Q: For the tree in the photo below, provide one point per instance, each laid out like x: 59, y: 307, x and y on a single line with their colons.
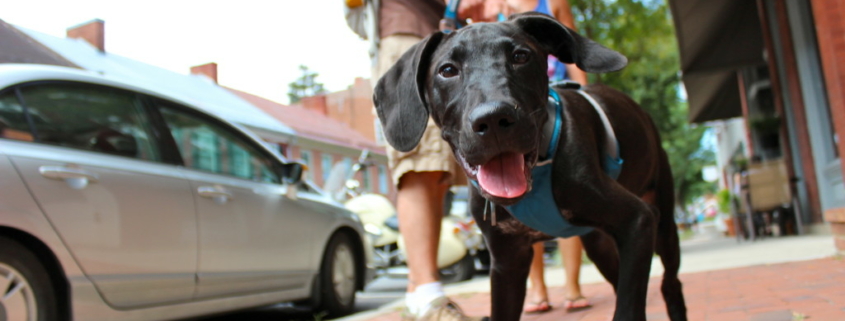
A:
x: 304, y: 86
x: 642, y: 30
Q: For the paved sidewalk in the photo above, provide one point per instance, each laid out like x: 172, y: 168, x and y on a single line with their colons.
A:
x: 790, y: 278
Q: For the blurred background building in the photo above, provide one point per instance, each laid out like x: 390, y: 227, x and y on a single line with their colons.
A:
x: 768, y: 75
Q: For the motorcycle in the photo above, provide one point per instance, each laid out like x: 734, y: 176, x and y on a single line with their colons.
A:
x: 460, y: 238
x: 457, y: 205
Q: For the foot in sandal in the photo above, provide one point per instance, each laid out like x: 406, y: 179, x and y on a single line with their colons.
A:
x: 577, y: 304
x: 538, y: 307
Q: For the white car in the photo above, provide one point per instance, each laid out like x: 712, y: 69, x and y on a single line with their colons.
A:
x: 118, y: 203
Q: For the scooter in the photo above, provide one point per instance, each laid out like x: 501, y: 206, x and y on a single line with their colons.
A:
x: 460, y: 238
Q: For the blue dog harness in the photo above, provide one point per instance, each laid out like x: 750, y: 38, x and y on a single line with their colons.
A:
x: 537, y: 209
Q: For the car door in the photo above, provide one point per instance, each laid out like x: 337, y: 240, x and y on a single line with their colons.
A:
x: 252, y: 237
x: 96, y: 170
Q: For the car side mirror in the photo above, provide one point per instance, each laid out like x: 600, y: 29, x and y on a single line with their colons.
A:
x: 292, y: 173
x: 291, y: 177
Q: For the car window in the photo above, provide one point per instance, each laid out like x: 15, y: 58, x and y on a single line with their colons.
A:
x: 88, y: 117
x: 209, y: 147
x: 326, y: 165
x: 13, y: 124
x: 305, y: 157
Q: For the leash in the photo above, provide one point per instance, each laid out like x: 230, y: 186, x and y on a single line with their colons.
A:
x: 450, y: 21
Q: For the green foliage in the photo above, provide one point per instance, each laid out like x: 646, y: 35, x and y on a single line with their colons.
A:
x: 723, y: 197
x: 642, y: 30
x: 304, y: 86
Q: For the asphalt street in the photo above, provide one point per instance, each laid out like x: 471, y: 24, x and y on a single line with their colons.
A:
x: 378, y: 293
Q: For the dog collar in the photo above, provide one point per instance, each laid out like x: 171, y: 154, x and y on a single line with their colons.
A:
x: 556, y: 128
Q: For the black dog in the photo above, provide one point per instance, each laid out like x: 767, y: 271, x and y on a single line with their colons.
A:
x: 486, y: 87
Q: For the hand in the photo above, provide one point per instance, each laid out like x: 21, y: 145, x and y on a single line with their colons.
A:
x: 505, y: 7
x: 472, y: 9
x: 484, y: 10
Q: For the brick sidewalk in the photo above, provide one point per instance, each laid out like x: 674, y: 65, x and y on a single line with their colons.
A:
x: 805, y: 290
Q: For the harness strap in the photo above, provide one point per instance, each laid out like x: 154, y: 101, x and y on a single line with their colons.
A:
x: 550, y: 152
x: 611, y: 144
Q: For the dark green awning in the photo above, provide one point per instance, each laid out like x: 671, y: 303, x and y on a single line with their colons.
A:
x: 716, y: 38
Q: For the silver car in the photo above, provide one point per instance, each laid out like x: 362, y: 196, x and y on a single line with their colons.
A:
x: 118, y: 203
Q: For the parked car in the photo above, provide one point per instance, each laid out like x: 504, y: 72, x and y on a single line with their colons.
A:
x: 119, y: 203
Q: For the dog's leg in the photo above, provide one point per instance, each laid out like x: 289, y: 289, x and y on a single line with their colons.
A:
x: 510, y: 255
x: 511, y: 260
x: 588, y: 197
x: 635, y: 243
x: 631, y: 223
x: 668, y: 246
x: 601, y: 249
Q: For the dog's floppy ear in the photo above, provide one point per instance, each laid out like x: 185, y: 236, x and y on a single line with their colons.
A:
x: 399, y: 96
x: 567, y: 45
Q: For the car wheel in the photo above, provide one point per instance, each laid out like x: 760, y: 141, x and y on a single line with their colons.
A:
x: 460, y: 271
x: 484, y: 260
x: 25, y: 288
x: 338, y: 276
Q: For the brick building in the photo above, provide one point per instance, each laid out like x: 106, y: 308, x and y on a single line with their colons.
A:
x: 323, y: 139
x: 354, y: 106
x: 780, y: 66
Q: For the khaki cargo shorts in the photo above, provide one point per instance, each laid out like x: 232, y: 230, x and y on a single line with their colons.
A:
x: 433, y: 153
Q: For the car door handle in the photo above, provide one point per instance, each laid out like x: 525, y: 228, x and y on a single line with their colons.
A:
x: 76, y: 177
x: 213, y: 192
x: 64, y: 172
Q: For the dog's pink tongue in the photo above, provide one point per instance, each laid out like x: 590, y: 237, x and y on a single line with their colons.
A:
x: 504, y: 176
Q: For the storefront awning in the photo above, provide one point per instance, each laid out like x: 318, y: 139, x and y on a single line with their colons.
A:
x: 716, y: 38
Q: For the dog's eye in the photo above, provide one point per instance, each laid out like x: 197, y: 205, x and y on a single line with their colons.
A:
x: 520, y: 56
x: 448, y: 71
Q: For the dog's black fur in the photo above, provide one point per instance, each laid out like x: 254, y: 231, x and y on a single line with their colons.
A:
x: 486, y: 88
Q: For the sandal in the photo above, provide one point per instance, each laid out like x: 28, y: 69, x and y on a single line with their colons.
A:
x: 539, y: 307
x: 577, y: 304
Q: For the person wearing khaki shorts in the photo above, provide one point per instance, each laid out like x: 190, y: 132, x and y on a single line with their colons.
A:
x: 433, y: 153
x: 423, y: 175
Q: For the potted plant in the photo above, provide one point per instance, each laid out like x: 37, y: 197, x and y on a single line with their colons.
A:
x: 724, y: 199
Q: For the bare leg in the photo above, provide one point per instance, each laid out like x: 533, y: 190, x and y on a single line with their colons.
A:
x: 420, y: 205
x: 570, y: 251
x: 537, y: 293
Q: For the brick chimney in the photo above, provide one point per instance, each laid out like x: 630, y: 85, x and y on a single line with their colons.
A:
x: 209, y: 70
x: 316, y: 103
x: 93, y: 32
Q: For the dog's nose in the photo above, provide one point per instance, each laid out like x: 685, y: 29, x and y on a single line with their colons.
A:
x: 492, y: 117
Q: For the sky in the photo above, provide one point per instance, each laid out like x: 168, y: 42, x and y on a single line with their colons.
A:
x: 257, y: 45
